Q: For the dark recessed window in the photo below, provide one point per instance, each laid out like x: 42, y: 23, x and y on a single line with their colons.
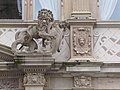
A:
x: 10, y: 9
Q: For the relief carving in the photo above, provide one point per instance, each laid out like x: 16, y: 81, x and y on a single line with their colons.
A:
x: 9, y: 84
x: 34, y: 79
x: 47, y: 31
x: 82, y: 82
x: 81, y: 41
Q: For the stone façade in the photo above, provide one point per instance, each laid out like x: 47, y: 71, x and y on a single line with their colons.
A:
x: 25, y: 71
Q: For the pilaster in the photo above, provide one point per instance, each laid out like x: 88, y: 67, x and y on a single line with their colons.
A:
x: 34, y: 66
x: 80, y: 9
x: 28, y: 8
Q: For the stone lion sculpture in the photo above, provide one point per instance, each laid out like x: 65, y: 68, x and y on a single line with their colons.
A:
x: 49, y: 32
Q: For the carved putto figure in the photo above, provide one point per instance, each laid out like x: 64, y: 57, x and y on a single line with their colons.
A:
x: 47, y: 32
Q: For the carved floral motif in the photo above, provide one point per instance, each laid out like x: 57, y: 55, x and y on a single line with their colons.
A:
x: 81, y: 41
x: 34, y: 79
x: 9, y: 84
x: 82, y: 82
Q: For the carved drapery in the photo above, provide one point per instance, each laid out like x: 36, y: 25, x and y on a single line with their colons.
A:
x: 82, y: 82
x: 81, y: 41
x: 34, y: 79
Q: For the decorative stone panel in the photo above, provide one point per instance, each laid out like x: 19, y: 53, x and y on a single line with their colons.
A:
x: 82, y: 82
x: 81, y: 41
x: 107, y: 44
x: 34, y: 79
x: 9, y: 84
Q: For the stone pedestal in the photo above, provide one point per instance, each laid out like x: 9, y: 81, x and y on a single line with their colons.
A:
x: 34, y: 66
x: 34, y: 62
x: 81, y: 39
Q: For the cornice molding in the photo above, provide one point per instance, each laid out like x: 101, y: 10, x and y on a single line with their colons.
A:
x: 107, y: 24
x: 11, y: 73
x: 6, y: 53
x: 82, y: 21
x: 17, y: 23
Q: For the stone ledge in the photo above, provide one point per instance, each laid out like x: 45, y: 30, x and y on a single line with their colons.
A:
x: 82, y: 21
x: 107, y: 24
x: 34, y: 62
x: 83, y: 66
x: 83, y: 69
x: 75, y: 88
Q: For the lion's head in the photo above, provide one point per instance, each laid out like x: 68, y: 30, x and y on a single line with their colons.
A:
x: 45, y: 16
